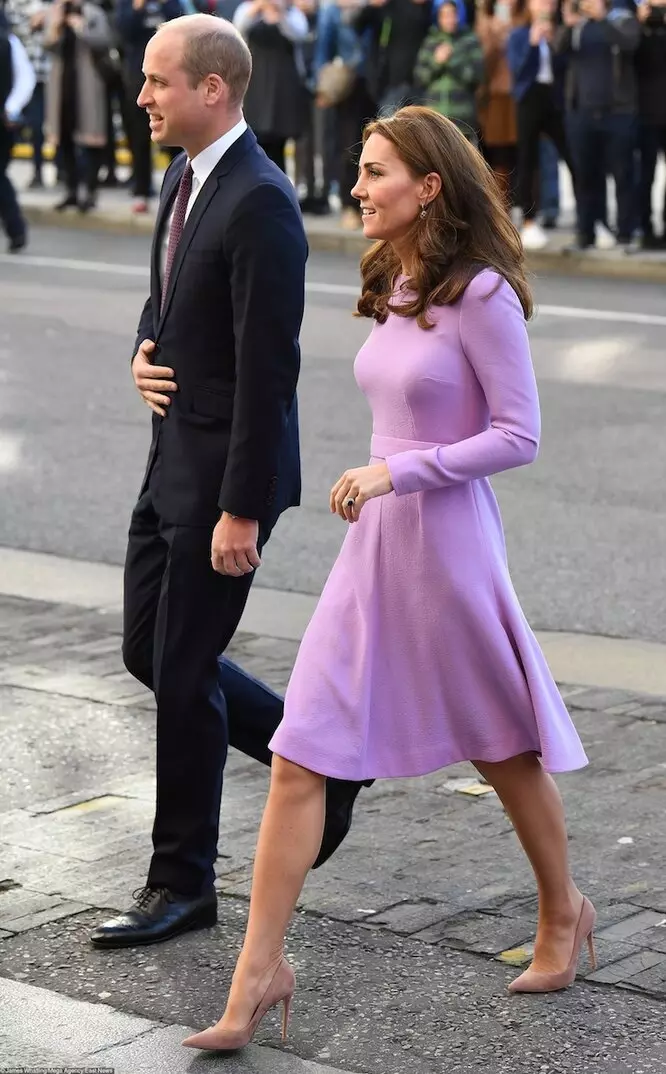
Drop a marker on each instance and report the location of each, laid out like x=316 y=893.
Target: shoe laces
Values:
x=145 y=897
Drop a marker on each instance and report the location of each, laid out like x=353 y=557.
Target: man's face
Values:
x=176 y=110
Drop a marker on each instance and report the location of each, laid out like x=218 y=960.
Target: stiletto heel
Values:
x=591 y=953
x=280 y=990
x=538 y=981
x=286 y=1005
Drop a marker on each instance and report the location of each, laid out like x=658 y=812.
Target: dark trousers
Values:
x=537 y=113
x=352 y=115
x=116 y=103
x=10 y=212
x=34 y=116
x=651 y=142
x=274 y=148
x=138 y=133
x=91 y=158
x=318 y=139
x=179 y=617
x=599 y=140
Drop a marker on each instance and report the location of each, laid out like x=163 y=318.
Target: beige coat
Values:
x=91 y=90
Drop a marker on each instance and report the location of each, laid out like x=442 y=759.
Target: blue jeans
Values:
x=10 y=213
x=549 y=179
x=603 y=142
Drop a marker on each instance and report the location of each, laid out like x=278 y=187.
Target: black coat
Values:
x=6 y=72
x=276 y=97
x=229 y=329
x=651 y=69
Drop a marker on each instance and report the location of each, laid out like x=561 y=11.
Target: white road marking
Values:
x=317 y=287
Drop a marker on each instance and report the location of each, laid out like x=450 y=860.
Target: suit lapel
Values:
x=159 y=235
x=203 y=199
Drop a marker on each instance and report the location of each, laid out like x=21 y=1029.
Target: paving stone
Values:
x=651 y=980
x=409 y=917
x=35 y=910
x=484 y=933
x=607 y=953
x=597 y=700
x=88 y=687
x=634 y=927
x=627 y=968
x=649 y=709
x=4 y=934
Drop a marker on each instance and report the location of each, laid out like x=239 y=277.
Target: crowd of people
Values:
x=531 y=82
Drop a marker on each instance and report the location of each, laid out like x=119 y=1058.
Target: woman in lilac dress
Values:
x=419 y=655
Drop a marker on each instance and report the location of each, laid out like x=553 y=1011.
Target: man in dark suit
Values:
x=217 y=361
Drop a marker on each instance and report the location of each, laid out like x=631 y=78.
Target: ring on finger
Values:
x=350 y=501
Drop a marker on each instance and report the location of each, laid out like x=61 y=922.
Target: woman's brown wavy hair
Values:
x=466 y=227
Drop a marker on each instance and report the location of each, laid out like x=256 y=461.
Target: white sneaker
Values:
x=603 y=238
x=533 y=237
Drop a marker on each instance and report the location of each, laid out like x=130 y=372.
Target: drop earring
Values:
x=423 y=212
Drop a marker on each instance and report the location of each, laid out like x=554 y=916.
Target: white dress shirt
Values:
x=203 y=165
x=545 y=75
x=207 y=160
x=23 y=80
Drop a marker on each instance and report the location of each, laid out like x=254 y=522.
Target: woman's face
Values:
x=389 y=195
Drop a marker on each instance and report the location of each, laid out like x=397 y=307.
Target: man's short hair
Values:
x=218 y=51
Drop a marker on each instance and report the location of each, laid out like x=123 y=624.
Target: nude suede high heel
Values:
x=537 y=981
x=280 y=990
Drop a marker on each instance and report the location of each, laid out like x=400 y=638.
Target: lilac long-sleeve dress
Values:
x=418 y=654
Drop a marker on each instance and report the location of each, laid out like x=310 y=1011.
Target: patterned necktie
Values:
x=177 y=223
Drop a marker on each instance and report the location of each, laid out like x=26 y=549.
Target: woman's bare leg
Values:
x=534 y=806
x=289 y=841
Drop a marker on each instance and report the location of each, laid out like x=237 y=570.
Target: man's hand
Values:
x=359 y=485
x=234 y=546
x=539 y=31
x=643 y=12
x=152 y=380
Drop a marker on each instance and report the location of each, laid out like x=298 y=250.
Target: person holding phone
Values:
x=76 y=119
x=535 y=73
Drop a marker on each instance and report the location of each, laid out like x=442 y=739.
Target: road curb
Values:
x=592 y=265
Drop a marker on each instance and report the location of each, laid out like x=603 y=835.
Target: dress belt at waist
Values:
x=382 y=446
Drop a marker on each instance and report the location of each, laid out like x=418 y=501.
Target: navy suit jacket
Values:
x=523 y=59
x=229 y=328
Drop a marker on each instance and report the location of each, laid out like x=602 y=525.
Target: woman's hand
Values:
x=359 y=485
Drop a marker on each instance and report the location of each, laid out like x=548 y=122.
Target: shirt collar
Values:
x=208 y=159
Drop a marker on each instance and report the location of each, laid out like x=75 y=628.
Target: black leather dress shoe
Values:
x=340 y=797
x=18 y=242
x=157 y=915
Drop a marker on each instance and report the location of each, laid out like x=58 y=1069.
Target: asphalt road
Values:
x=585 y=524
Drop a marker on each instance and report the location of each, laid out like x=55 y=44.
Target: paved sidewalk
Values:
x=325 y=233
x=403 y=944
